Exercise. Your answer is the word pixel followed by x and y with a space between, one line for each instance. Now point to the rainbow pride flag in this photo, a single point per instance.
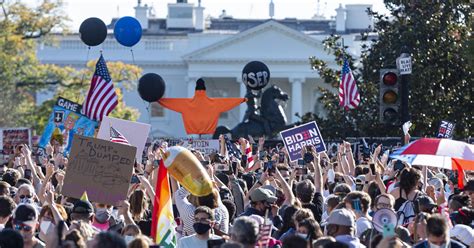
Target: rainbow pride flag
pixel 163 224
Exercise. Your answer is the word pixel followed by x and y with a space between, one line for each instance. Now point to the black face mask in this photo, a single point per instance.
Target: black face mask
pixel 201 228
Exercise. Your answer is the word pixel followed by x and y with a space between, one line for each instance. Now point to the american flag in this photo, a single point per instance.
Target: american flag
pixel 248 152
pixel 117 137
pixel 101 98
pixel 264 234
pixel 232 148
pixel 349 96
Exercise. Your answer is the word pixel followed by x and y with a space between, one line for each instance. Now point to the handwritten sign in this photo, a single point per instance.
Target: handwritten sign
pixel 206 146
pixel 12 137
pixel 101 168
pixel 304 135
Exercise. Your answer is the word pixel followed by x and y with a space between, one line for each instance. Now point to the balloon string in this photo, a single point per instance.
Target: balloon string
pixel 84 74
pixel 134 63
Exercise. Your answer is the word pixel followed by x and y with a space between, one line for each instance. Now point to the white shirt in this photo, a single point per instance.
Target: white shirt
pixel 194 242
pixel 362 224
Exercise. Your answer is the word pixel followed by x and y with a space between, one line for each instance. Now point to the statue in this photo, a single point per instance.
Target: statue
pixel 267 120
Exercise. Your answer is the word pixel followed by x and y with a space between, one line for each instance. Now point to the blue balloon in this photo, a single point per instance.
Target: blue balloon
pixel 128 31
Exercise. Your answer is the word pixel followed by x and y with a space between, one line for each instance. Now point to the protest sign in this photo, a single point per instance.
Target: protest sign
pixel 135 133
pixel 101 168
pixel 304 135
pixel 64 122
pixel 446 130
pixel 11 137
pixel 206 146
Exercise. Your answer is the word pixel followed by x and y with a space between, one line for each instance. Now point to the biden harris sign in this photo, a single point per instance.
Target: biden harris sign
pixel 304 135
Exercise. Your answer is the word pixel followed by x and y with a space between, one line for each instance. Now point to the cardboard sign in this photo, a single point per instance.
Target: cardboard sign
pixel 298 137
pixel 11 137
pixel 446 130
pixel 101 168
pixel 67 120
pixel 135 133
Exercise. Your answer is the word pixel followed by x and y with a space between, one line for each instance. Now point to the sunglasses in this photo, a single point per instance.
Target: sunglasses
pixel 27 196
pixel 25 228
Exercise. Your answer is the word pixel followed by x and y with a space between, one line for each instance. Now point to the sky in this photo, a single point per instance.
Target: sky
pixel 79 10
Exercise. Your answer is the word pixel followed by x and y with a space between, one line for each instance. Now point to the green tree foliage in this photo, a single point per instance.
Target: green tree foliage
pixel 437 35
pixel 22 75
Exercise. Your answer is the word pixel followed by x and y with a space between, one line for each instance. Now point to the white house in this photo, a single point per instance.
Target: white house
pixel 185 46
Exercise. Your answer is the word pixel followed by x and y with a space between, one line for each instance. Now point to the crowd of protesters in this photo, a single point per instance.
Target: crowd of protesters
pixel 267 201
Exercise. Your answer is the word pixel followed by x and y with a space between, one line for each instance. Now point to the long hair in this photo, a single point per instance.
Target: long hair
pixel 138 204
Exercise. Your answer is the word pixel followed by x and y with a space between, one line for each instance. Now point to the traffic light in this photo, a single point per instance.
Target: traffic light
pixel 389 98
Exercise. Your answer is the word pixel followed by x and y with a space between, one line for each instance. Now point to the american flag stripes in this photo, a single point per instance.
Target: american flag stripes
pixel 248 152
pixel 117 137
pixel 349 97
pixel 101 98
pixel 232 148
pixel 264 234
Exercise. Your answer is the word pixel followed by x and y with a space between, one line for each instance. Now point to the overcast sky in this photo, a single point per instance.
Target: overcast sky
pixel 79 10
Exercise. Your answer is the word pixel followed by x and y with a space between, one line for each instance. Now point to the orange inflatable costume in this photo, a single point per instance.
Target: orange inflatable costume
pixel 200 113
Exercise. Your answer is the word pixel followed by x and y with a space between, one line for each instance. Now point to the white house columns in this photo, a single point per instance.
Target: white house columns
pixel 191 86
pixel 296 97
pixel 242 92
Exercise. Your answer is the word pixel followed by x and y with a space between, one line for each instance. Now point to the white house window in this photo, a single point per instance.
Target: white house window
pixel 157 110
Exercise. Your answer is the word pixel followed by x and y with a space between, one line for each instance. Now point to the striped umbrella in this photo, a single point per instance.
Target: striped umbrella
pixel 442 153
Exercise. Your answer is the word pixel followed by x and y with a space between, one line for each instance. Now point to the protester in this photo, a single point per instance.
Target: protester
pixel 248 206
pixel 25 220
pixel 204 221
pixel 437 231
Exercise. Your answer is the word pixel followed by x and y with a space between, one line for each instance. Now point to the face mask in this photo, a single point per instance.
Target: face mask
pixel 201 228
pixel 44 226
pixel 26 200
pixel 331 175
pixel 303 235
pixel 128 238
pixel 385 177
pixel 102 215
pixel 438 246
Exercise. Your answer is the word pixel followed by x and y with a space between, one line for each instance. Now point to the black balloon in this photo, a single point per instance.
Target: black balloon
pixel 93 31
pixel 151 87
pixel 255 75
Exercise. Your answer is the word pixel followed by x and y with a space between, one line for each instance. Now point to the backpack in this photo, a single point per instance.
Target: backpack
pixel 407 211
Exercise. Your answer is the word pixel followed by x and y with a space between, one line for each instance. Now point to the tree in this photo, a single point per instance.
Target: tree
pixel 436 34
pixel 74 85
pixel 21 74
pixel 19 26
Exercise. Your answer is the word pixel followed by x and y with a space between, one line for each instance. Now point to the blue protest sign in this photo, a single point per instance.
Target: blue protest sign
pixel 304 135
pixel 64 122
pixel 446 130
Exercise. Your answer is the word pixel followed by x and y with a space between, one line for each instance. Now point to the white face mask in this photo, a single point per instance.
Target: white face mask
pixel 128 238
pixel 385 177
pixel 44 226
pixel 303 235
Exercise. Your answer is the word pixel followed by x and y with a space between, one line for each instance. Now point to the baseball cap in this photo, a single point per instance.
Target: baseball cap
pixel 341 217
pixel 25 213
pixel 469 186
pixel 463 233
pixel 261 194
pixel 82 207
pixel 425 202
